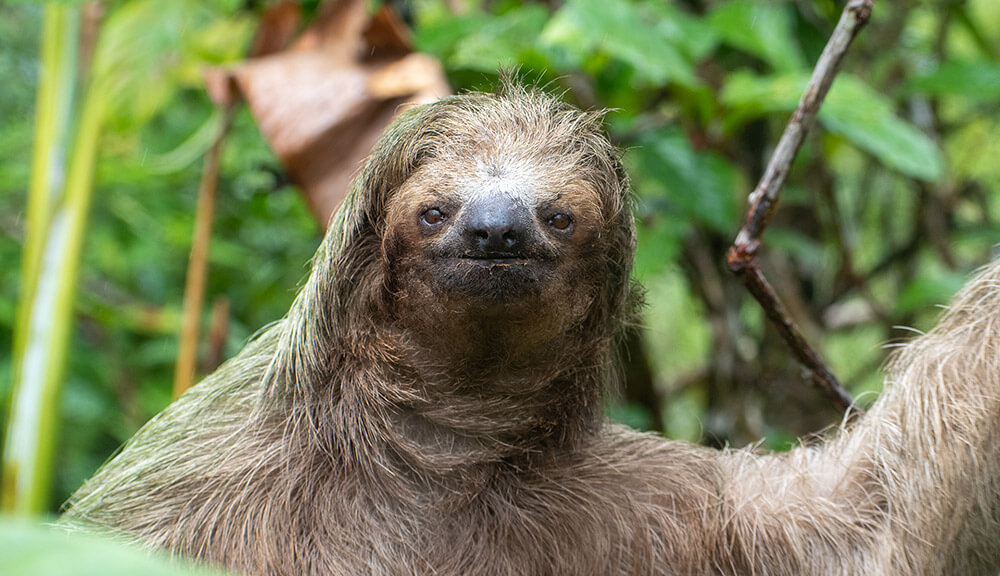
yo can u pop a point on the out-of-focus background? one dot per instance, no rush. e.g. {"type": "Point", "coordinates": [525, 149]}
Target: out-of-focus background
{"type": "Point", "coordinates": [117, 117]}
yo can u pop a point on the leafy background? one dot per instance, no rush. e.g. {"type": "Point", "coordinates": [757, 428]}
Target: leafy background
{"type": "Point", "coordinates": [890, 204]}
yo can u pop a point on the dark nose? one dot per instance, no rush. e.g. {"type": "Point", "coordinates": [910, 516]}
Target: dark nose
{"type": "Point", "coordinates": [495, 225]}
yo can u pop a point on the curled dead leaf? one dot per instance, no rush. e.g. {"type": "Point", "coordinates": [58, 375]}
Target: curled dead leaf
{"type": "Point", "coordinates": [323, 102]}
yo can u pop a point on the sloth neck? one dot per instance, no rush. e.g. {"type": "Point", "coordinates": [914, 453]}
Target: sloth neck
{"type": "Point", "coordinates": [482, 396]}
{"type": "Point", "coordinates": [482, 356]}
{"type": "Point", "coordinates": [486, 344]}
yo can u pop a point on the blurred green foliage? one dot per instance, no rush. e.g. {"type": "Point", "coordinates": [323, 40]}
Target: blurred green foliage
{"type": "Point", "coordinates": [890, 203]}
{"type": "Point", "coordinates": [28, 549]}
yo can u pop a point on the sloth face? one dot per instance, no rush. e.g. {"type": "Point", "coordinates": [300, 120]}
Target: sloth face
{"type": "Point", "coordinates": [496, 233]}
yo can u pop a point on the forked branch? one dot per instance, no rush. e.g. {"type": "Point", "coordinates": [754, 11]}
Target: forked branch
{"type": "Point", "coordinates": [742, 257]}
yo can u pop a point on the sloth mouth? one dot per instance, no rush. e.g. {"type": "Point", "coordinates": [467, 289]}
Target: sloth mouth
{"type": "Point", "coordinates": [493, 277]}
{"type": "Point", "coordinates": [498, 260]}
{"type": "Point", "coordinates": [491, 257]}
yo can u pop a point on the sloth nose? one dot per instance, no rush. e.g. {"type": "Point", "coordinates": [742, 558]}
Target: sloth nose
{"type": "Point", "coordinates": [496, 224]}
{"type": "Point", "coordinates": [496, 236]}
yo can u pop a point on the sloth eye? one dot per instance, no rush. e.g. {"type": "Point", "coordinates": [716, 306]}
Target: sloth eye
{"type": "Point", "coordinates": [560, 221]}
{"type": "Point", "coordinates": [432, 217]}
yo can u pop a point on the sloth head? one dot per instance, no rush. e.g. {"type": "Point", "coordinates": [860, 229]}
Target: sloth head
{"type": "Point", "coordinates": [512, 221]}
{"type": "Point", "coordinates": [480, 221]}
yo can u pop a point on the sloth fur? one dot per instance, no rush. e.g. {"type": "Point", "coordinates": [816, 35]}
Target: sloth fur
{"type": "Point", "coordinates": [432, 402]}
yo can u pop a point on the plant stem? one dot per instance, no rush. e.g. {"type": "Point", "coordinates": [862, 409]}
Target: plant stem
{"type": "Point", "coordinates": [68, 121]}
{"type": "Point", "coordinates": [194, 288]}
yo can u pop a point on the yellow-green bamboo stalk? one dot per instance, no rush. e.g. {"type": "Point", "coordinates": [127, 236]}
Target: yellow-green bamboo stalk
{"type": "Point", "coordinates": [68, 118]}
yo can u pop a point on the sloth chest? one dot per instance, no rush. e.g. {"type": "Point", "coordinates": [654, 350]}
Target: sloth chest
{"type": "Point", "coordinates": [528, 529]}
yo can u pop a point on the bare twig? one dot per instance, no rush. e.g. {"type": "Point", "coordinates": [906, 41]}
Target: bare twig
{"type": "Point", "coordinates": [742, 257]}
{"type": "Point", "coordinates": [194, 289]}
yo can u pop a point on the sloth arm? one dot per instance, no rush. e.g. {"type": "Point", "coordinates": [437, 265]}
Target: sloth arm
{"type": "Point", "coordinates": [913, 487]}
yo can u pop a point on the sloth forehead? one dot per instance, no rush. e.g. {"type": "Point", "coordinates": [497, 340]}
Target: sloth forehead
{"type": "Point", "coordinates": [536, 180]}
{"type": "Point", "coordinates": [512, 176]}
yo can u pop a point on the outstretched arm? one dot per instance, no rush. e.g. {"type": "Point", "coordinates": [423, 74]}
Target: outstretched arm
{"type": "Point", "coordinates": [913, 488]}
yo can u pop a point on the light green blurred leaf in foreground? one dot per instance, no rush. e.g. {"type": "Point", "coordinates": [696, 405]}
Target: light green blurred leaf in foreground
{"type": "Point", "coordinates": [701, 186]}
{"type": "Point", "coordinates": [28, 549]}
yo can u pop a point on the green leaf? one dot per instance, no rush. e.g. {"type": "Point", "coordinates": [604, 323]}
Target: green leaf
{"type": "Point", "coordinates": [763, 29]}
{"type": "Point", "coordinates": [929, 289]}
{"type": "Point", "coordinates": [622, 31]}
{"type": "Point", "coordinates": [867, 119]}
{"type": "Point", "coordinates": [749, 96]}
{"type": "Point", "coordinates": [148, 49]}
{"type": "Point", "coordinates": [501, 41]}
{"type": "Point", "coordinates": [697, 186]}
{"type": "Point", "coordinates": [658, 237]}
{"type": "Point", "coordinates": [976, 80]}
{"type": "Point", "coordinates": [763, 94]}
{"type": "Point", "coordinates": [439, 31]}
{"type": "Point", "coordinates": [693, 36]}
{"type": "Point", "coordinates": [32, 549]}
{"type": "Point", "coordinates": [852, 109]}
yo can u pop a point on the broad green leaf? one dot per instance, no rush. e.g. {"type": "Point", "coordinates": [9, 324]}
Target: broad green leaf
{"type": "Point", "coordinates": [34, 550]}
{"type": "Point", "coordinates": [501, 41]}
{"type": "Point", "coordinates": [976, 80]}
{"type": "Point", "coordinates": [150, 49]}
{"type": "Point", "coordinates": [622, 31]}
{"type": "Point", "coordinates": [693, 36]}
{"type": "Point", "coordinates": [852, 109]}
{"type": "Point", "coordinates": [929, 289]}
{"type": "Point", "coordinates": [696, 186]}
{"type": "Point", "coordinates": [867, 119]}
{"type": "Point", "coordinates": [658, 238]}
{"type": "Point", "coordinates": [748, 96]}
{"type": "Point", "coordinates": [973, 148]}
{"type": "Point", "coordinates": [763, 29]}
{"type": "Point", "coordinates": [439, 31]}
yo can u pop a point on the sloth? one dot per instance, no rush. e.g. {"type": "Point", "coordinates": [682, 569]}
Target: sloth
{"type": "Point", "coordinates": [432, 402]}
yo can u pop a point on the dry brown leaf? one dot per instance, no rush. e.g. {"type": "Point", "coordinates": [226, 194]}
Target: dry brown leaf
{"type": "Point", "coordinates": [277, 28]}
{"type": "Point", "coordinates": [387, 32]}
{"type": "Point", "coordinates": [322, 103]}
{"type": "Point", "coordinates": [414, 74]}
{"type": "Point", "coordinates": [220, 86]}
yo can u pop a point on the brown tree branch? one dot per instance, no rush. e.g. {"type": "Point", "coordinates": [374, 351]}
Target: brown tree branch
{"type": "Point", "coordinates": [742, 257]}
{"type": "Point", "coordinates": [194, 288]}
